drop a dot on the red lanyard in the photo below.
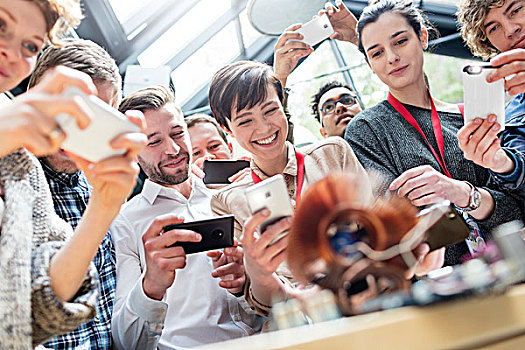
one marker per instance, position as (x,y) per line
(436,125)
(300,175)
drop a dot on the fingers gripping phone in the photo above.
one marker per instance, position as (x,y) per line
(445,225)
(217,233)
(93,143)
(482,98)
(219,170)
(316,30)
(271,194)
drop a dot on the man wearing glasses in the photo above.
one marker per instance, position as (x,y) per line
(334,106)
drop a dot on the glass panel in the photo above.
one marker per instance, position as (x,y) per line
(249,34)
(182,32)
(125,8)
(200,67)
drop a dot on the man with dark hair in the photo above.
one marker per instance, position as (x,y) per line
(334,106)
(165,299)
(71,191)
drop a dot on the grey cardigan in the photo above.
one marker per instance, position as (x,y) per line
(31,233)
(385,142)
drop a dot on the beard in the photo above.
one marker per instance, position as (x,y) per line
(157,174)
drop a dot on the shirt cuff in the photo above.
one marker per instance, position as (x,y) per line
(150,310)
(512,176)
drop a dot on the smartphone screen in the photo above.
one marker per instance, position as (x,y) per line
(217,171)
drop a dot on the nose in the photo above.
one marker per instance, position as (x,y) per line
(10,50)
(340,108)
(392,56)
(511,29)
(209,155)
(172,148)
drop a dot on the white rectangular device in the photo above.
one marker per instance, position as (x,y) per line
(316,30)
(271,194)
(93,143)
(482,98)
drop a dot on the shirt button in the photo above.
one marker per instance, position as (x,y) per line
(237,318)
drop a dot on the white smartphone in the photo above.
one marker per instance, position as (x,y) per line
(271,194)
(482,98)
(316,30)
(92,143)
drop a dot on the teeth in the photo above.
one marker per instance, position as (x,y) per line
(267,140)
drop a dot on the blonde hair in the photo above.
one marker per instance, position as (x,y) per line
(471,17)
(59,15)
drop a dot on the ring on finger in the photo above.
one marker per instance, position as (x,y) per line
(55,133)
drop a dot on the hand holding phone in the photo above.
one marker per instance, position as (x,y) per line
(93,143)
(480,97)
(316,30)
(216,233)
(271,194)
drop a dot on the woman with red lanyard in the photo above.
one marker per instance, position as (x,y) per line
(246,99)
(411,138)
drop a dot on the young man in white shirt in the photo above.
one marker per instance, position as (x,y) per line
(165,299)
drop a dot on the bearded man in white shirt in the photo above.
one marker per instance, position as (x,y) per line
(165,299)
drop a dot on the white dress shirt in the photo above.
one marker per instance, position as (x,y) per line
(194,310)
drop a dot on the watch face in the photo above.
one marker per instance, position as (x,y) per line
(476,198)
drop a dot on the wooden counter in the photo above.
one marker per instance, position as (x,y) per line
(491,322)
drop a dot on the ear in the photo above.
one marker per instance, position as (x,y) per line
(423,37)
(323,132)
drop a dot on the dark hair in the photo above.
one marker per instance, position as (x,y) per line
(317,97)
(241,85)
(413,15)
(201,118)
(148,99)
(82,55)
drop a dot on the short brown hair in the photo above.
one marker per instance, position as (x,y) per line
(200,118)
(59,15)
(240,85)
(82,55)
(471,17)
(148,99)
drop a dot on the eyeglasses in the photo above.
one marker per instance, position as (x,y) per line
(347,100)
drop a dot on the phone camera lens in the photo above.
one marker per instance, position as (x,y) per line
(268,194)
(217,234)
(325,26)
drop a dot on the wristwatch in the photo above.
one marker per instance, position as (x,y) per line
(474,198)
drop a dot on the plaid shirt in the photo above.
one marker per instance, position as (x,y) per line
(70,194)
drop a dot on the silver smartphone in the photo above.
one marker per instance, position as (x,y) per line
(271,194)
(316,30)
(482,98)
(93,143)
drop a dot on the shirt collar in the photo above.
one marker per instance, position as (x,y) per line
(152,190)
(289,169)
(69,180)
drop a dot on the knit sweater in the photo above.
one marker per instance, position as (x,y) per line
(31,233)
(386,143)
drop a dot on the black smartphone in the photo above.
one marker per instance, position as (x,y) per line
(218,171)
(449,229)
(216,233)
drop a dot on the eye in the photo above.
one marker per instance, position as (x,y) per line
(215,146)
(348,100)
(244,122)
(271,110)
(154,143)
(32,49)
(2,26)
(516,10)
(196,153)
(376,54)
(177,134)
(493,29)
(401,41)
(328,108)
